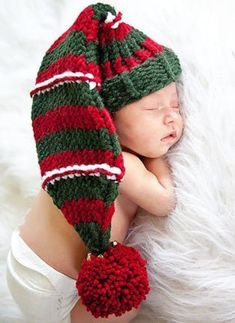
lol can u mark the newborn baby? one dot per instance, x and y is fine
(147, 129)
(104, 114)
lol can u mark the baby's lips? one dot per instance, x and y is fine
(170, 136)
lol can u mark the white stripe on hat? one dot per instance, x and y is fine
(92, 83)
(114, 170)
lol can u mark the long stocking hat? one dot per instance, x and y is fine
(93, 69)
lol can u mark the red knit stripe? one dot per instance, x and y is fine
(88, 210)
(143, 54)
(152, 46)
(89, 27)
(71, 117)
(79, 157)
(85, 23)
(125, 63)
(140, 56)
(108, 35)
(148, 49)
(70, 63)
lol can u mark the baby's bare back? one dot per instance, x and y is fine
(52, 238)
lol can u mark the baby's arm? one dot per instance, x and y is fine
(125, 211)
(143, 187)
(160, 168)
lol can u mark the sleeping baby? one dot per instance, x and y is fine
(105, 113)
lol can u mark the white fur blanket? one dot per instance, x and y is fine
(191, 253)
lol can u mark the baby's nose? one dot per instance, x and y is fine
(171, 114)
(171, 117)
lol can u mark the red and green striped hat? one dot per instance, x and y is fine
(94, 68)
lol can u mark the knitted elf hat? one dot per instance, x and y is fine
(93, 69)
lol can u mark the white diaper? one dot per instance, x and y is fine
(42, 293)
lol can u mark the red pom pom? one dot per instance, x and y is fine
(114, 283)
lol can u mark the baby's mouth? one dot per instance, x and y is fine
(171, 136)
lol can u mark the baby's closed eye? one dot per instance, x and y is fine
(175, 108)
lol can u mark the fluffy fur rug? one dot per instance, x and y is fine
(191, 253)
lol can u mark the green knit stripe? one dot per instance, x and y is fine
(125, 48)
(92, 187)
(90, 50)
(77, 139)
(101, 11)
(150, 76)
(74, 44)
(65, 95)
(172, 63)
(96, 241)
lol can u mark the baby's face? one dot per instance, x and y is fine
(142, 125)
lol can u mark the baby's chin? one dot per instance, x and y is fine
(150, 152)
(156, 153)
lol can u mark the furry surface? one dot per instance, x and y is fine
(191, 254)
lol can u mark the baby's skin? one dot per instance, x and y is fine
(141, 127)
(148, 184)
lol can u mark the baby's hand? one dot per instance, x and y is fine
(160, 167)
(143, 187)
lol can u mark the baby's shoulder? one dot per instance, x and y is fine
(129, 157)
(132, 163)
